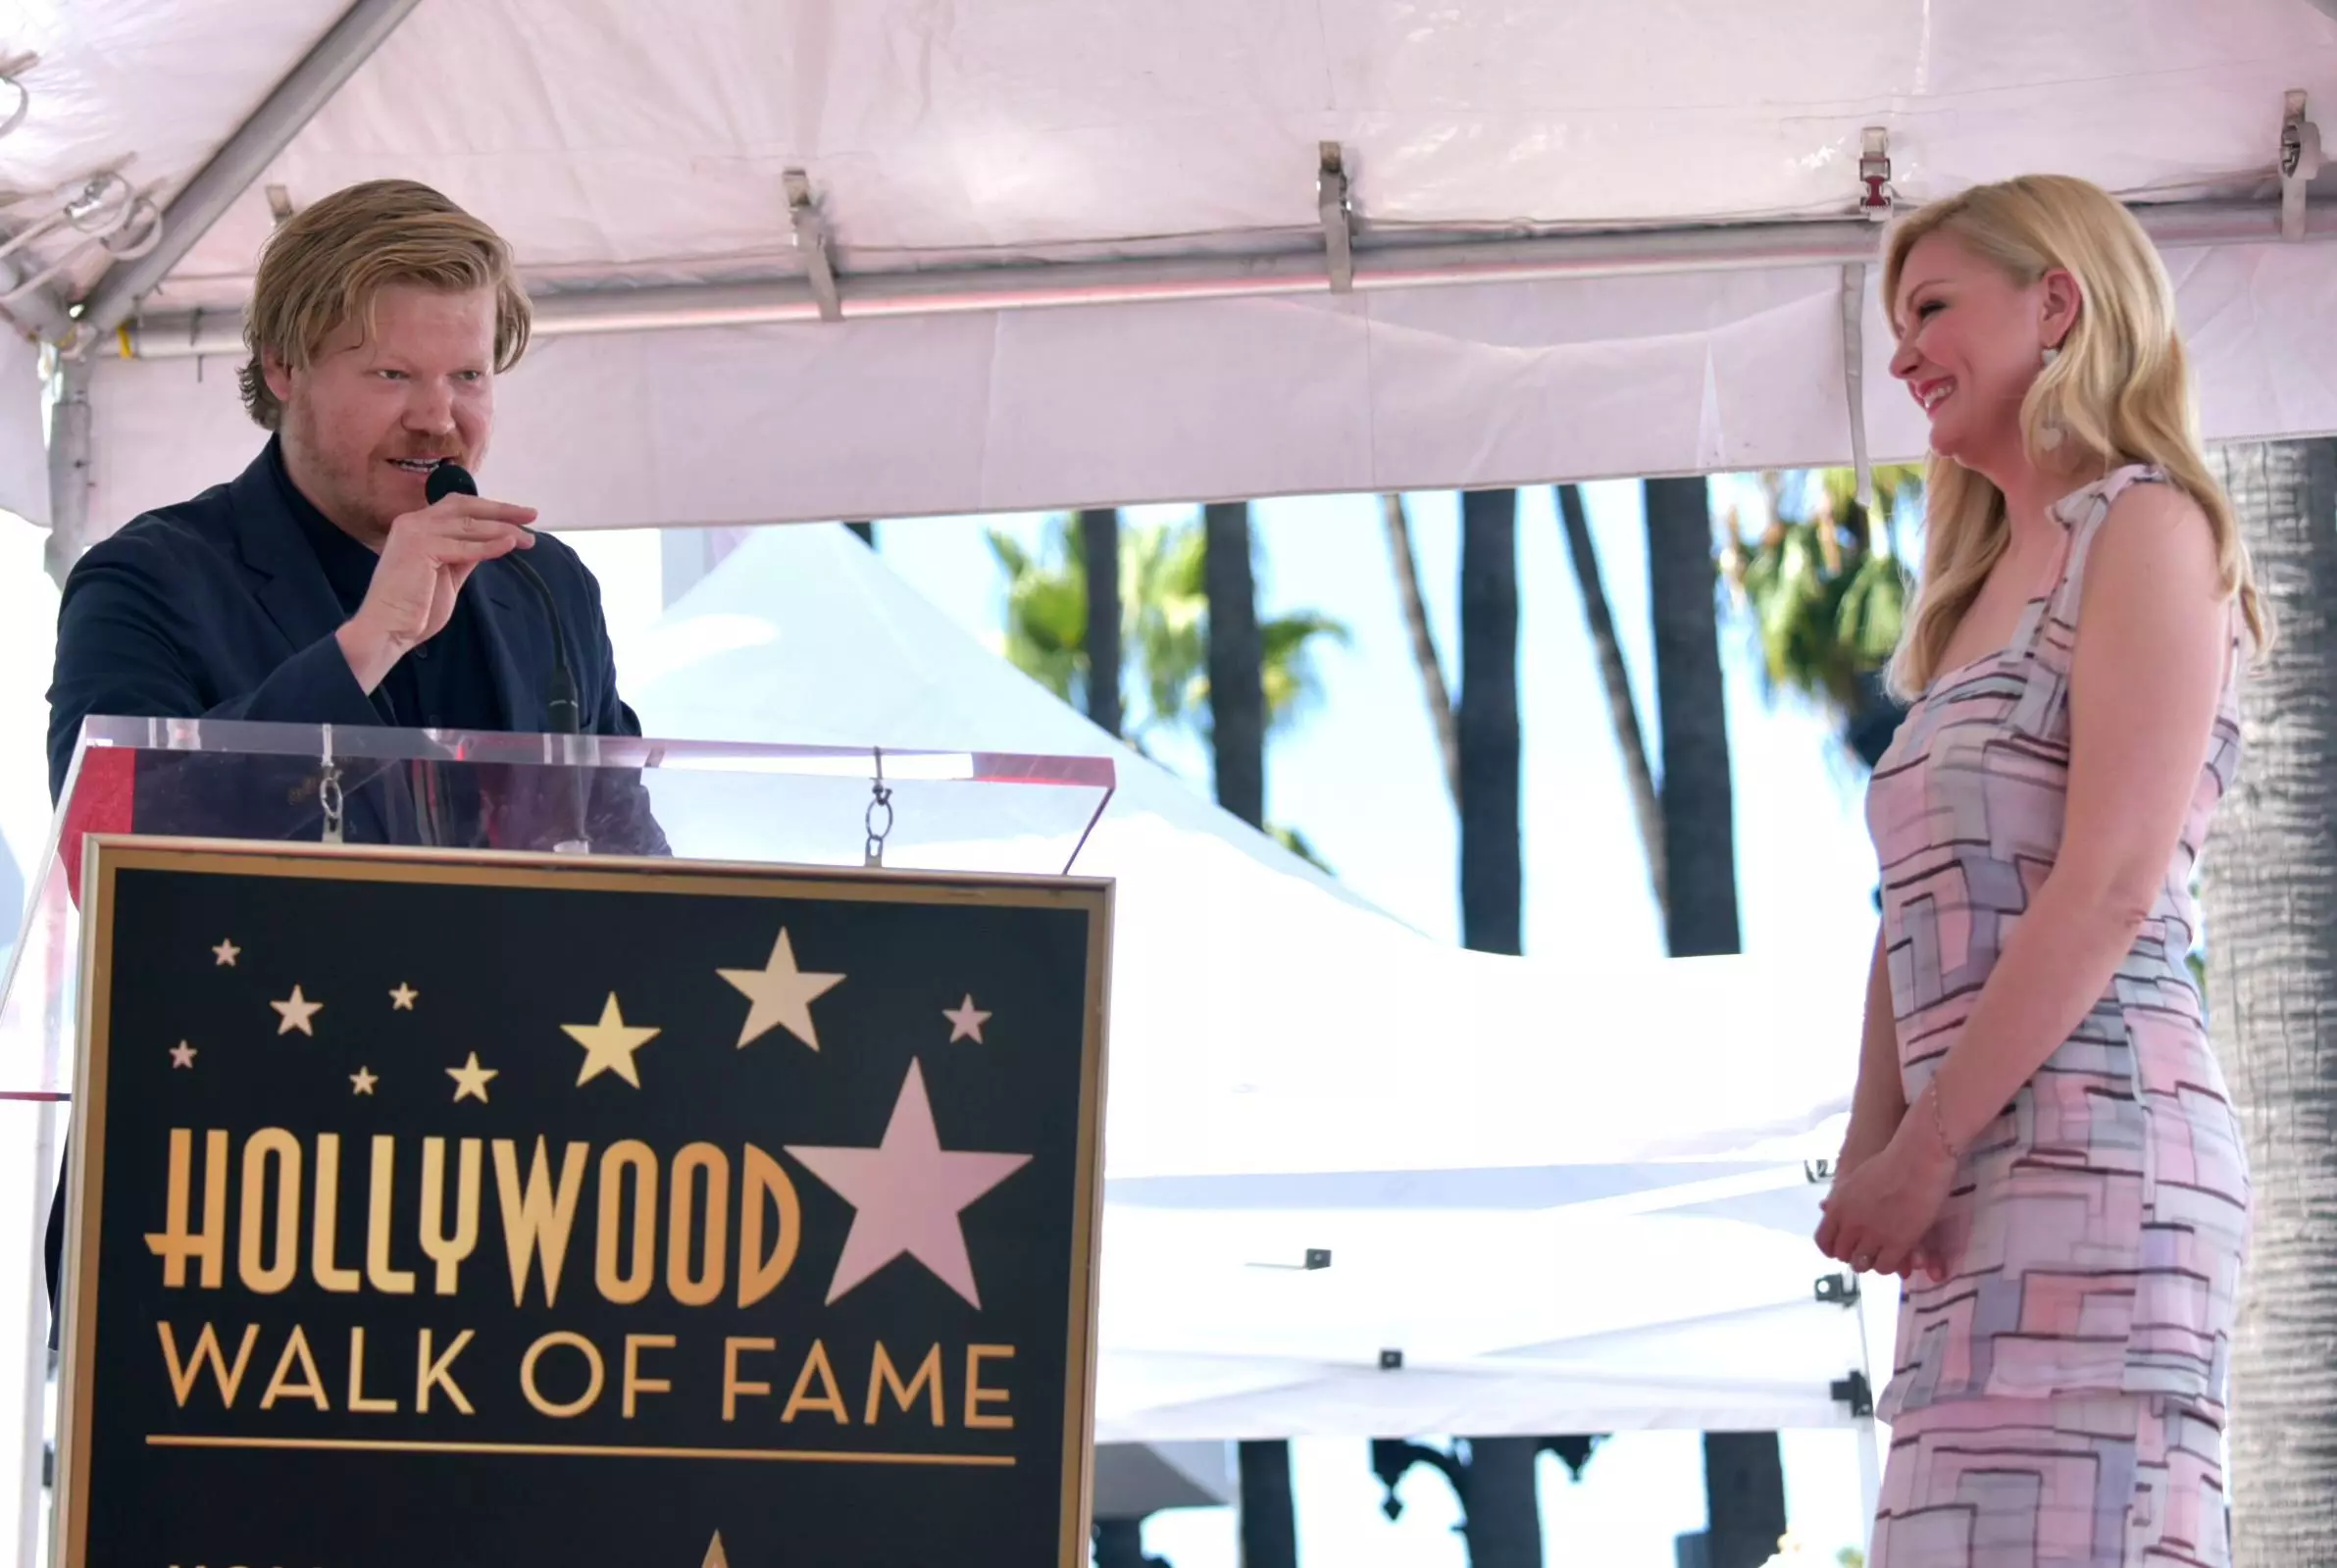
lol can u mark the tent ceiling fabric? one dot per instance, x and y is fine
(621, 149)
(610, 140)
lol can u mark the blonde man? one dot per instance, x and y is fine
(321, 586)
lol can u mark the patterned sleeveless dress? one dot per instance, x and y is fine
(2059, 1399)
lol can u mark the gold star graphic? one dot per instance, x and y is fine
(965, 1020)
(401, 1001)
(296, 1014)
(715, 1556)
(223, 955)
(782, 994)
(609, 1044)
(362, 1081)
(183, 1055)
(469, 1079)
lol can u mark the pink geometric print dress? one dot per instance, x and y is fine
(2059, 1399)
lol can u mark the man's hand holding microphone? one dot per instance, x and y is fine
(428, 557)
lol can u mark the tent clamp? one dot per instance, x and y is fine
(1855, 1391)
(1874, 173)
(1314, 1259)
(2300, 161)
(811, 239)
(1391, 1360)
(1816, 1170)
(1838, 1290)
(1339, 216)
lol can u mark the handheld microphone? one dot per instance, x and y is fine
(560, 702)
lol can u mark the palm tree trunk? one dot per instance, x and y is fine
(1237, 687)
(1491, 875)
(1503, 1512)
(1646, 807)
(1424, 645)
(1269, 1521)
(1744, 1470)
(1699, 849)
(2270, 878)
(1100, 540)
(1238, 743)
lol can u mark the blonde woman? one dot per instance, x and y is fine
(2040, 1142)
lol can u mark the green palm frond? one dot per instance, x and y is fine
(1046, 609)
(1286, 665)
(1164, 633)
(1165, 569)
(1827, 594)
(1893, 483)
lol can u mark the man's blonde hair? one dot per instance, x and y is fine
(325, 266)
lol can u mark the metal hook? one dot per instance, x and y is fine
(880, 799)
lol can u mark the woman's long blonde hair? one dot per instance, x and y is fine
(2118, 392)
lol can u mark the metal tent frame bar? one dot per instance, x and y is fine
(868, 296)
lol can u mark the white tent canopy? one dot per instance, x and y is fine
(1574, 1203)
(1584, 240)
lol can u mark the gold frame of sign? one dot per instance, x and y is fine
(991, 917)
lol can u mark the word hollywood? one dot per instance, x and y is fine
(687, 1241)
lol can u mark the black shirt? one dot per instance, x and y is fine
(445, 683)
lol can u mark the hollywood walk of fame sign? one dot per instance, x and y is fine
(455, 1210)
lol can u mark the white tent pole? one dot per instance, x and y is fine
(1822, 242)
(1870, 1432)
(1870, 1469)
(1853, 376)
(345, 46)
(68, 470)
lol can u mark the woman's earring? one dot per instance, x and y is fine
(2048, 435)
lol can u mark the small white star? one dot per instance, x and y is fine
(469, 1079)
(183, 1055)
(296, 1014)
(223, 955)
(401, 1001)
(965, 1020)
(362, 1081)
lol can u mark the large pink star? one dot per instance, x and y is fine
(907, 1193)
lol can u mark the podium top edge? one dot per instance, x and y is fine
(328, 742)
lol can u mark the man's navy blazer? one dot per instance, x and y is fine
(218, 608)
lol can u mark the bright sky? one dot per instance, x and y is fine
(1360, 776)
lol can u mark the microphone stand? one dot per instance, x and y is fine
(563, 715)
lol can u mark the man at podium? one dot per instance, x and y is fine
(323, 585)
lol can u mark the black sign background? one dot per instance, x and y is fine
(498, 958)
